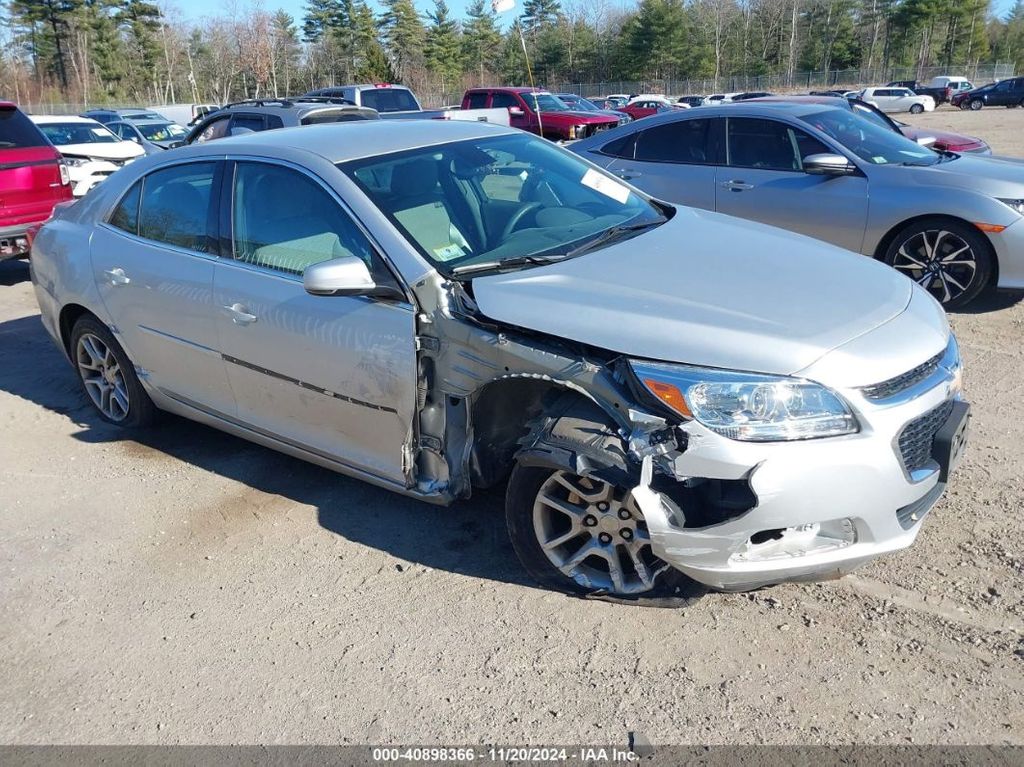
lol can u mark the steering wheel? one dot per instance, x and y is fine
(517, 217)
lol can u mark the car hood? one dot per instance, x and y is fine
(581, 117)
(121, 150)
(941, 136)
(992, 176)
(705, 289)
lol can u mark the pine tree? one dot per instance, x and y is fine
(442, 51)
(44, 26)
(321, 18)
(538, 14)
(403, 34)
(481, 40)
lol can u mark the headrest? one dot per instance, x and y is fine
(414, 178)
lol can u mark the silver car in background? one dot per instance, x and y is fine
(436, 307)
(950, 222)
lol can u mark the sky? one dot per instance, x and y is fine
(194, 10)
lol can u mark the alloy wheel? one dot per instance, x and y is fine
(977, 104)
(939, 261)
(101, 373)
(595, 534)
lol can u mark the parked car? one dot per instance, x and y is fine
(91, 152)
(750, 95)
(537, 111)
(160, 133)
(835, 94)
(1005, 93)
(33, 179)
(718, 98)
(436, 307)
(942, 141)
(112, 115)
(949, 222)
(398, 102)
(649, 104)
(691, 101)
(897, 100)
(256, 115)
(580, 104)
(941, 89)
(184, 114)
(616, 100)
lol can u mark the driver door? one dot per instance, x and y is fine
(763, 180)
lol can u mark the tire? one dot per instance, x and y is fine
(108, 377)
(916, 109)
(976, 104)
(609, 523)
(951, 260)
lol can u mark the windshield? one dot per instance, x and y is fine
(161, 131)
(870, 114)
(579, 104)
(868, 140)
(62, 134)
(497, 199)
(544, 102)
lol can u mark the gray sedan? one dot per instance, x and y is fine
(950, 222)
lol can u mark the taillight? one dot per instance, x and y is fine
(65, 177)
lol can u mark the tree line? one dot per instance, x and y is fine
(113, 51)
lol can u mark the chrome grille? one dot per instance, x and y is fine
(916, 439)
(893, 386)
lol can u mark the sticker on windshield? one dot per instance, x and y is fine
(606, 186)
(448, 252)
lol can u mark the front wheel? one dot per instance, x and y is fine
(916, 109)
(976, 104)
(950, 260)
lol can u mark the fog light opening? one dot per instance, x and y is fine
(799, 541)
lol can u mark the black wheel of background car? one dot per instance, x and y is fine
(976, 104)
(585, 535)
(108, 376)
(951, 260)
(916, 109)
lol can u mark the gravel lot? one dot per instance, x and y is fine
(190, 587)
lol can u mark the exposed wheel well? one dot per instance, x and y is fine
(503, 412)
(68, 317)
(886, 241)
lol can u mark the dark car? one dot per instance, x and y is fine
(150, 133)
(581, 104)
(1005, 93)
(943, 141)
(33, 179)
(832, 94)
(255, 115)
(690, 101)
(751, 95)
(113, 115)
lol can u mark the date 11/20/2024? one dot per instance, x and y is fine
(503, 754)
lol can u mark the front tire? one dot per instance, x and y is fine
(976, 104)
(951, 260)
(108, 377)
(581, 535)
(916, 109)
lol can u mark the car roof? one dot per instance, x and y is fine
(836, 101)
(46, 119)
(510, 89)
(362, 138)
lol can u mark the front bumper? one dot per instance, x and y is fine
(1009, 247)
(824, 507)
(85, 177)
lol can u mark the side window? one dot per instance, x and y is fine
(285, 221)
(621, 147)
(478, 100)
(273, 122)
(216, 129)
(246, 123)
(680, 141)
(504, 100)
(176, 205)
(807, 145)
(764, 144)
(126, 214)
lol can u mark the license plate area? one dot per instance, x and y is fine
(950, 441)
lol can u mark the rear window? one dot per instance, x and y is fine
(17, 131)
(334, 116)
(389, 100)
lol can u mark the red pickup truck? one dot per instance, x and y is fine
(538, 111)
(32, 180)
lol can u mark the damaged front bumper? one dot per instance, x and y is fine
(823, 507)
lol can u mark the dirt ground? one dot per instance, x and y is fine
(189, 587)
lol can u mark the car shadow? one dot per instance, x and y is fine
(991, 301)
(13, 271)
(469, 537)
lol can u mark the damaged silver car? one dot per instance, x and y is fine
(438, 307)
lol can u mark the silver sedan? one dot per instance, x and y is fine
(950, 222)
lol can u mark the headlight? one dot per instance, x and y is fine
(1017, 205)
(748, 406)
(76, 162)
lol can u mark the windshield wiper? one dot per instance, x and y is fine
(612, 234)
(506, 264)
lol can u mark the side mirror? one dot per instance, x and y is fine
(828, 165)
(516, 111)
(345, 276)
(926, 140)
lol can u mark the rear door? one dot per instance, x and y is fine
(30, 177)
(674, 161)
(763, 180)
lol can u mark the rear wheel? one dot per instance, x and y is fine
(108, 376)
(916, 109)
(976, 104)
(949, 259)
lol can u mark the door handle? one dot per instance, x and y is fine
(239, 314)
(737, 186)
(117, 276)
(628, 173)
